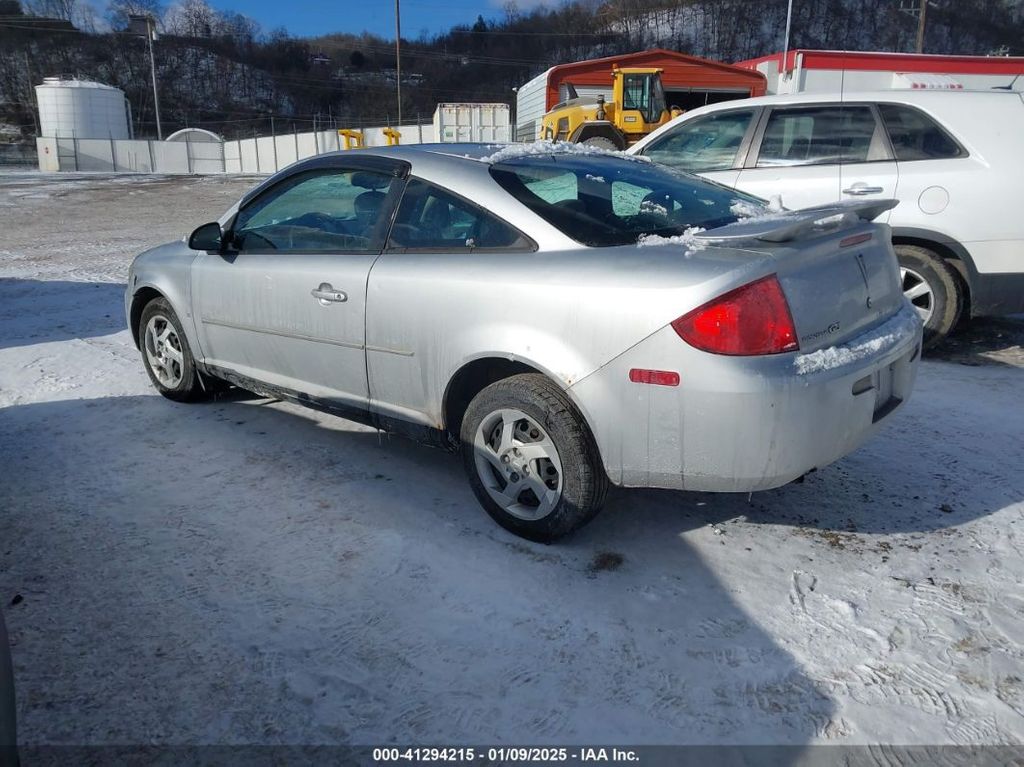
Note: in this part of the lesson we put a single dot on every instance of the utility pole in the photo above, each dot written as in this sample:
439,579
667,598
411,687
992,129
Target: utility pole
398,57
789,26
31,90
145,26
150,33
920,25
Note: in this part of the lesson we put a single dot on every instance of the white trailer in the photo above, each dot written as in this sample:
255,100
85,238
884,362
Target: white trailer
837,71
531,106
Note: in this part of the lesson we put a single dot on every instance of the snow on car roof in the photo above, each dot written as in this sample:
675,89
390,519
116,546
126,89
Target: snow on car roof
495,153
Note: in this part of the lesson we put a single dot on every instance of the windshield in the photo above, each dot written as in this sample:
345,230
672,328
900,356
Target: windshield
602,200
644,94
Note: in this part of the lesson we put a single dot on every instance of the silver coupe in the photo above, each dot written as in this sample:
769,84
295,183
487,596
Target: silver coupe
566,318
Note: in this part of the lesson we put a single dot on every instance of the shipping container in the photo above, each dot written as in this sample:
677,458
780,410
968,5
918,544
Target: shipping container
465,122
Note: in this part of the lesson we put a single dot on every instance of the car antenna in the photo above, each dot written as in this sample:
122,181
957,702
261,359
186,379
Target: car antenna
1006,87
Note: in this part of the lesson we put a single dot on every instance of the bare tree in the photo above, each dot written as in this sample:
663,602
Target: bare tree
51,9
118,11
191,18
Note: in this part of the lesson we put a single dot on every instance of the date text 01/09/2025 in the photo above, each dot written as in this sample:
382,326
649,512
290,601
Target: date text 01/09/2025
503,754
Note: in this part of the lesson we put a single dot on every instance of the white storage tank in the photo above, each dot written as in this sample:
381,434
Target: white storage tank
488,123
81,109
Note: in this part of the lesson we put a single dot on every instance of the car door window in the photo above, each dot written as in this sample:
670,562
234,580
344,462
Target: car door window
431,218
705,144
915,136
828,135
330,210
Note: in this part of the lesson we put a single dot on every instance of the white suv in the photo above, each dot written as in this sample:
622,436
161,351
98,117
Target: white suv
954,160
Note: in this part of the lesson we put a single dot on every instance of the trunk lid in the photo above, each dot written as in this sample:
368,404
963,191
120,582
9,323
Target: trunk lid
837,269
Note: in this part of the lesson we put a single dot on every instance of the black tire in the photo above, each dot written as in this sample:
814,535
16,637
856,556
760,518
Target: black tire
946,297
602,142
584,483
189,387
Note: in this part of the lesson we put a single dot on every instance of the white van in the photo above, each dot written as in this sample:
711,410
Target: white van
954,160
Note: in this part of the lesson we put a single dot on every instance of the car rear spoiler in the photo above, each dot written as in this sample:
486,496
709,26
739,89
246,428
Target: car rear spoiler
782,227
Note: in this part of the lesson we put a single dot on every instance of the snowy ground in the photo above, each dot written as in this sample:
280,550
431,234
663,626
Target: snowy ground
246,571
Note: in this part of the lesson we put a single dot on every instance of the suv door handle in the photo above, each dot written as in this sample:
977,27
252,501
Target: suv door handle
325,294
859,190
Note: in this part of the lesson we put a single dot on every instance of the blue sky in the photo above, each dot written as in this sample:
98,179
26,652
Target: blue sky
304,18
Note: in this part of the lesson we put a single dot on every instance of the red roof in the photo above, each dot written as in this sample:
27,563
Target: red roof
678,71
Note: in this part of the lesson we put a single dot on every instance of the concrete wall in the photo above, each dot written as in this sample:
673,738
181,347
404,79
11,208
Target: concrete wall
269,154
260,155
133,156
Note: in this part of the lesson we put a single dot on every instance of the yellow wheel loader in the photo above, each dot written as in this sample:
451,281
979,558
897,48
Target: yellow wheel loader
636,109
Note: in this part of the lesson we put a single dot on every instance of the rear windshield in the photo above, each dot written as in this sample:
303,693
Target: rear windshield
602,201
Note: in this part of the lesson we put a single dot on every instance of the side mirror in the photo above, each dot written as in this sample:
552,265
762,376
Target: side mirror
206,237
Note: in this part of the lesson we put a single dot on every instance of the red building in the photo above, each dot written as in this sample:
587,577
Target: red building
689,82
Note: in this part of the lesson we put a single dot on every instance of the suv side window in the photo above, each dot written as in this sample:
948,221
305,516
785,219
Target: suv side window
329,210
705,144
826,135
915,136
431,218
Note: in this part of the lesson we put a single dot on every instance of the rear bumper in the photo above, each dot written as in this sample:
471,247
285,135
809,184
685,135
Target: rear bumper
997,294
739,424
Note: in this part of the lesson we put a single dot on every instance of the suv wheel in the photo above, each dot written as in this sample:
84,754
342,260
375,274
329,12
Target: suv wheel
933,287
531,460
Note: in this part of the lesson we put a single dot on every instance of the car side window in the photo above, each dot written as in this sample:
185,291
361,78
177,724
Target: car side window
915,136
330,210
705,144
431,218
827,135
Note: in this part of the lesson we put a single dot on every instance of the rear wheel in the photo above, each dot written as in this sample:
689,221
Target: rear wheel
531,460
166,353
932,286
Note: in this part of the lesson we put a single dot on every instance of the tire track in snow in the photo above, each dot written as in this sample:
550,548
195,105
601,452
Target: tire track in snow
979,731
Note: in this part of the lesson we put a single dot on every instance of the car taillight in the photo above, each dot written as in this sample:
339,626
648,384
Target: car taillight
750,320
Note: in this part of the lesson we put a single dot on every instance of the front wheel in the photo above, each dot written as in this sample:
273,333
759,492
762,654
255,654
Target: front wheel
932,286
602,142
531,459
166,353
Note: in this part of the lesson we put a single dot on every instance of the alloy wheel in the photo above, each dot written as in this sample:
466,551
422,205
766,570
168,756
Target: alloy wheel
918,292
164,352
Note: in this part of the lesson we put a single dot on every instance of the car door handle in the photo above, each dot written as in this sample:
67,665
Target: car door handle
859,190
326,294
